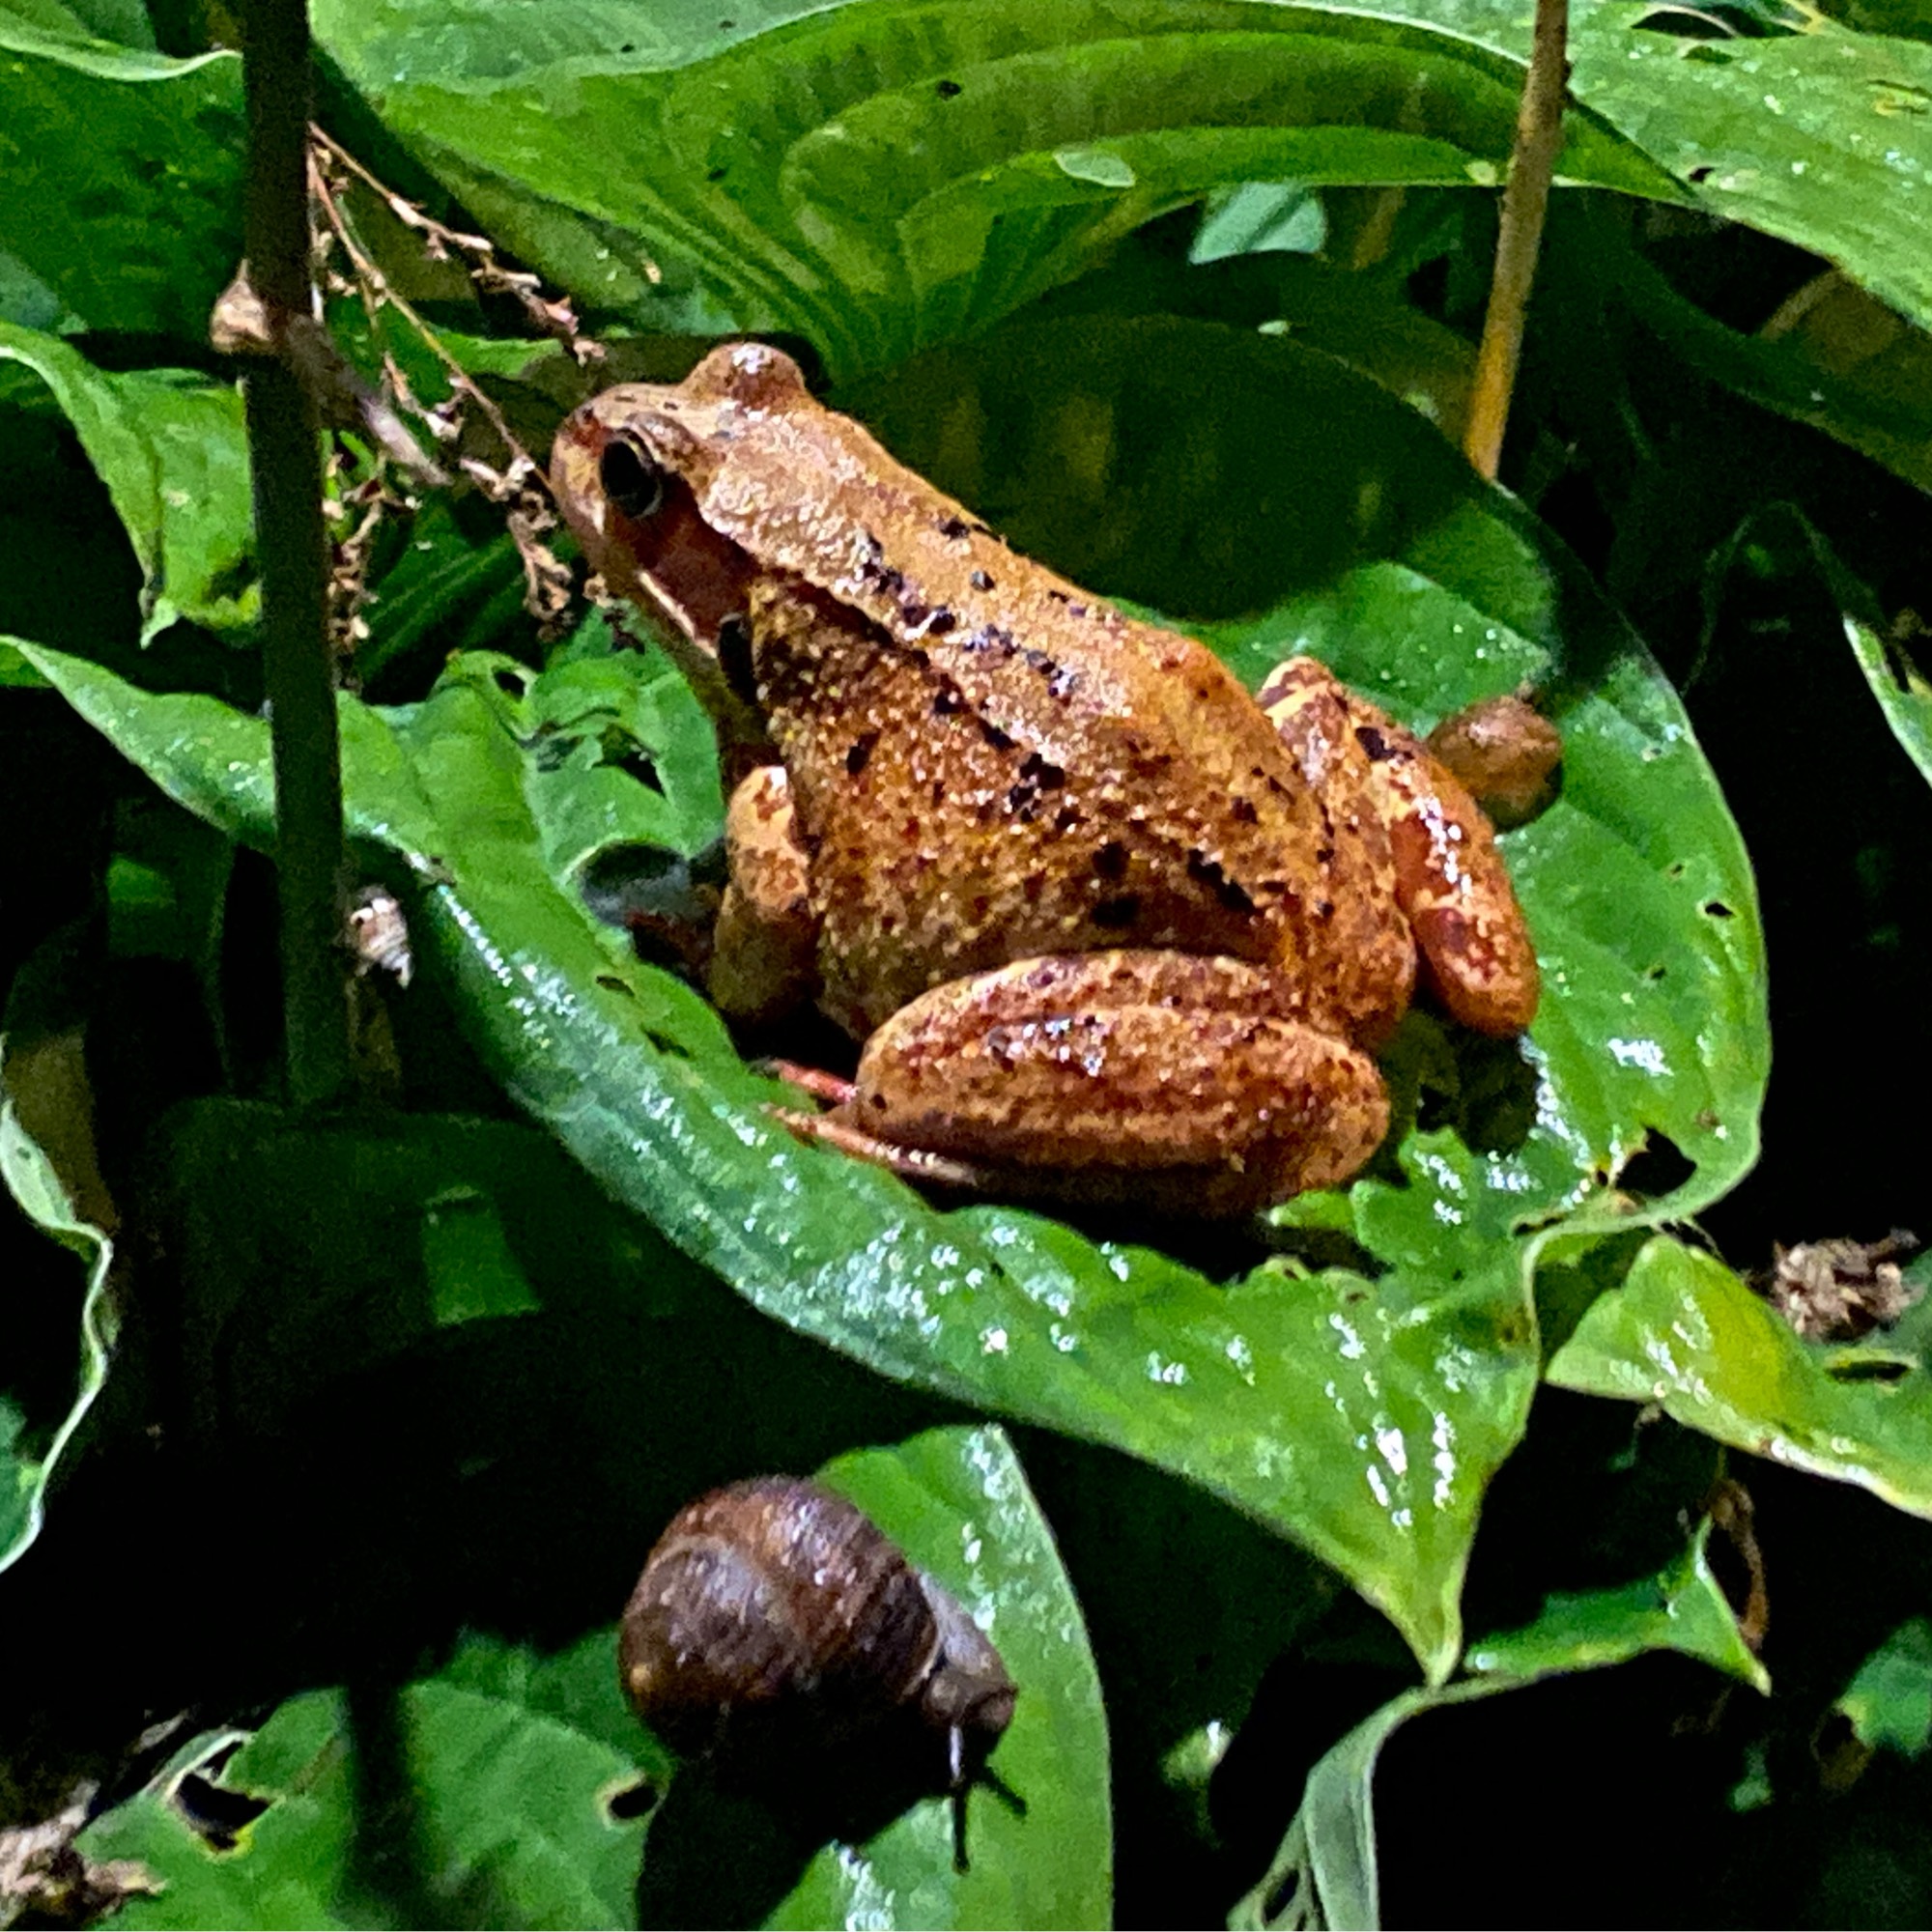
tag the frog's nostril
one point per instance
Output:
(630, 479)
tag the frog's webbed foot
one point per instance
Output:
(1174, 1080)
(764, 949)
(1450, 879)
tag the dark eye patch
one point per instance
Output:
(630, 479)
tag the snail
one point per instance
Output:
(775, 1621)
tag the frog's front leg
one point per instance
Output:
(1450, 879)
(764, 949)
(1175, 1079)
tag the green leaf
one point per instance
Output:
(1888, 1701)
(817, 176)
(502, 1819)
(15, 669)
(1887, 658)
(495, 1799)
(1822, 137)
(171, 449)
(1684, 1609)
(1327, 1871)
(1258, 219)
(1903, 691)
(1360, 1410)
(626, 754)
(123, 170)
(1684, 1332)
(472, 1273)
(382, 1232)
(32, 1442)
(885, 174)
(445, 592)
(1877, 402)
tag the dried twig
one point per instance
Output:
(1538, 135)
(548, 315)
(379, 292)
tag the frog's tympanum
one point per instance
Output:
(1109, 926)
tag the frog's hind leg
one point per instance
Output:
(1177, 1081)
(1450, 879)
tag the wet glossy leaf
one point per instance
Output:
(1823, 137)
(883, 176)
(1326, 1870)
(171, 450)
(123, 174)
(1360, 1410)
(759, 161)
(1286, 1400)
(1685, 1333)
(507, 1771)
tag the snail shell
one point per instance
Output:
(774, 1615)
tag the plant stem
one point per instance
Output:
(1538, 135)
(293, 549)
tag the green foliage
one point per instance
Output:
(1683, 1331)
(32, 1443)
(169, 447)
(123, 173)
(1182, 298)
(1326, 1870)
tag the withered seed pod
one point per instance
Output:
(774, 1617)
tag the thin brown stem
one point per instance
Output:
(1538, 135)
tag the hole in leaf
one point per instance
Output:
(1661, 1167)
(1281, 1896)
(636, 1800)
(622, 752)
(1701, 21)
(1883, 1369)
(511, 683)
(1717, 909)
(1675, 871)
(214, 1813)
(1653, 972)
(610, 984)
(665, 1044)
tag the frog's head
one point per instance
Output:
(642, 473)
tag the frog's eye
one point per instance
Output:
(630, 479)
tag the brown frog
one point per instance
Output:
(1108, 926)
